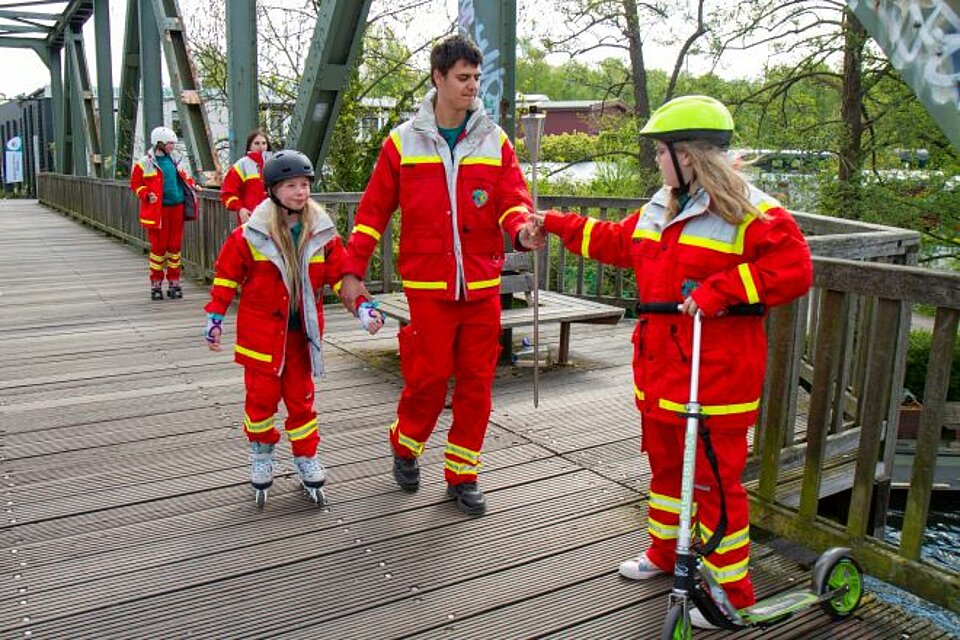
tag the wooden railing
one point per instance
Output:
(845, 342)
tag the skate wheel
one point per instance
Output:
(676, 626)
(261, 497)
(843, 573)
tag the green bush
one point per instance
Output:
(918, 355)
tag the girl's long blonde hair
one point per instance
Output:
(293, 256)
(713, 171)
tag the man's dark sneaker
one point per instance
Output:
(406, 471)
(469, 498)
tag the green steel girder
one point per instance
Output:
(82, 97)
(53, 60)
(242, 91)
(151, 75)
(333, 52)
(186, 93)
(129, 94)
(922, 41)
(101, 25)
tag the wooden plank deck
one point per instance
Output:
(127, 512)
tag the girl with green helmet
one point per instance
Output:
(707, 241)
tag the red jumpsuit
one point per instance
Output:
(242, 186)
(761, 260)
(454, 208)
(278, 358)
(164, 225)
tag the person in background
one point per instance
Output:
(165, 190)
(707, 241)
(282, 258)
(242, 189)
(455, 178)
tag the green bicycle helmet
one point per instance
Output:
(691, 118)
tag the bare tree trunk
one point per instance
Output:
(851, 110)
(638, 73)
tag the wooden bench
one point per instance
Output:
(517, 285)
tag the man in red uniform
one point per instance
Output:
(455, 177)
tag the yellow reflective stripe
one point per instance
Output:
(728, 543)
(148, 222)
(503, 137)
(522, 208)
(637, 392)
(664, 503)
(229, 200)
(257, 427)
(713, 410)
(416, 284)
(490, 161)
(317, 257)
(250, 353)
(157, 258)
(662, 531)
(765, 205)
(748, 284)
(156, 267)
(302, 432)
(649, 234)
(585, 241)
(173, 255)
(336, 286)
(141, 188)
(461, 452)
(370, 231)
(461, 469)
(409, 443)
(483, 284)
(395, 136)
(420, 159)
(223, 282)
(736, 247)
(257, 255)
(731, 573)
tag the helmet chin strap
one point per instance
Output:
(683, 185)
(282, 206)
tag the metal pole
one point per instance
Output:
(532, 133)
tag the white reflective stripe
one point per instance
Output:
(461, 469)
(302, 432)
(664, 503)
(463, 452)
(662, 531)
(730, 573)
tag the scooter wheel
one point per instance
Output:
(676, 626)
(843, 572)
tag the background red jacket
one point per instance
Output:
(762, 260)
(146, 178)
(242, 186)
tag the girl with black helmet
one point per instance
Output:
(706, 241)
(282, 258)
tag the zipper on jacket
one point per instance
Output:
(676, 340)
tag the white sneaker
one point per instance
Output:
(698, 621)
(639, 568)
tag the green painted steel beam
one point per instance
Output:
(24, 28)
(922, 41)
(186, 92)
(333, 52)
(56, 94)
(493, 26)
(83, 104)
(74, 14)
(242, 94)
(150, 72)
(106, 128)
(129, 95)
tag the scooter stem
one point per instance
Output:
(690, 445)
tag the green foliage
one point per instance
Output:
(918, 354)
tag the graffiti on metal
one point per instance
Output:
(483, 30)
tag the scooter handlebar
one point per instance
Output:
(755, 309)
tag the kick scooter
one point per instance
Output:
(837, 578)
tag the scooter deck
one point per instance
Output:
(778, 606)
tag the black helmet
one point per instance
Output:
(284, 164)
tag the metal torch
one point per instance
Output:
(532, 123)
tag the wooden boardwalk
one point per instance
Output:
(127, 512)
